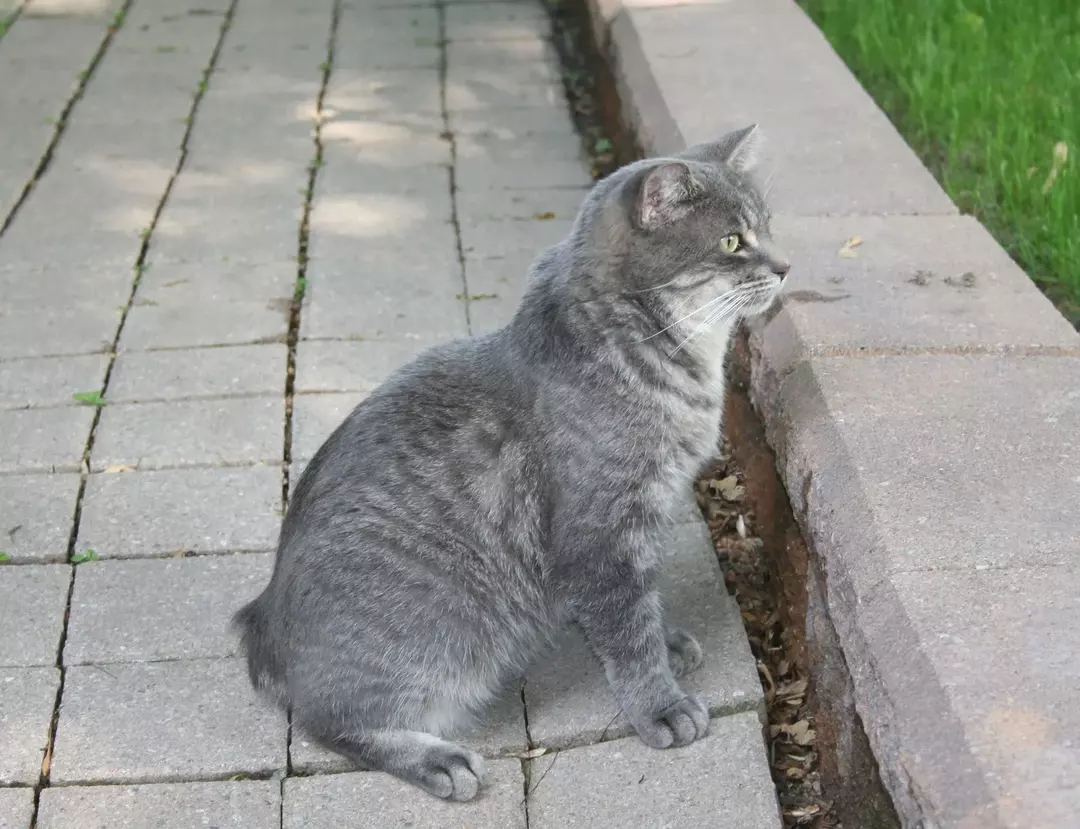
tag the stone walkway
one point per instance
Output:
(173, 173)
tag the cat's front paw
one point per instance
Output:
(684, 652)
(677, 724)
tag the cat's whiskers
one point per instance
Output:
(729, 309)
(693, 313)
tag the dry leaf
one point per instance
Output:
(119, 467)
(533, 753)
(545, 216)
(847, 250)
(740, 527)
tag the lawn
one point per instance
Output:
(987, 92)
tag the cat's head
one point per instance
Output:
(690, 234)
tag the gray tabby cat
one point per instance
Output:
(498, 488)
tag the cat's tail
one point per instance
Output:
(265, 666)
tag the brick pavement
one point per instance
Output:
(173, 175)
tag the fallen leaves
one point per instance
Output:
(847, 250)
(792, 737)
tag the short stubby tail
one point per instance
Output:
(265, 666)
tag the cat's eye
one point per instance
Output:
(730, 244)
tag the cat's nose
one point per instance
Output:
(780, 267)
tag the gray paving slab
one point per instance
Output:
(35, 281)
(357, 91)
(917, 282)
(372, 304)
(369, 198)
(520, 150)
(470, 95)
(237, 804)
(368, 47)
(514, 55)
(331, 365)
(16, 808)
(200, 372)
(721, 781)
(137, 514)
(195, 325)
(530, 123)
(42, 58)
(502, 284)
(501, 734)
(496, 21)
(567, 696)
(47, 331)
(27, 696)
(36, 515)
(371, 800)
(177, 608)
(162, 722)
(44, 440)
(200, 432)
(522, 174)
(494, 240)
(978, 670)
(50, 381)
(479, 205)
(32, 604)
(469, 60)
(315, 416)
(396, 142)
(1001, 445)
(187, 282)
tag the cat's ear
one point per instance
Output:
(739, 149)
(667, 194)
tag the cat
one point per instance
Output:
(496, 489)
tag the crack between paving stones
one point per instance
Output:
(448, 136)
(44, 777)
(84, 78)
(295, 310)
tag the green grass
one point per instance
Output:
(987, 92)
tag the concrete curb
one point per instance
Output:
(923, 400)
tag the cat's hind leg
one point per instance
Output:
(435, 765)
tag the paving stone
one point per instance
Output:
(16, 808)
(386, 140)
(568, 699)
(49, 381)
(492, 93)
(494, 240)
(192, 282)
(975, 677)
(44, 440)
(834, 151)
(210, 432)
(237, 804)
(529, 62)
(32, 604)
(36, 513)
(501, 735)
(919, 282)
(502, 283)
(315, 416)
(483, 174)
(531, 123)
(327, 365)
(371, 226)
(480, 205)
(136, 514)
(721, 781)
(520, 152)
(417, 302)
(203, 372)
(164, 721)
(496, 21)
(192, 326)
(179, 608)
(385, 90)
(27, 696)
(49, 331)
(41, 282)
(889, 494)
(372, 800)
(379, 38)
